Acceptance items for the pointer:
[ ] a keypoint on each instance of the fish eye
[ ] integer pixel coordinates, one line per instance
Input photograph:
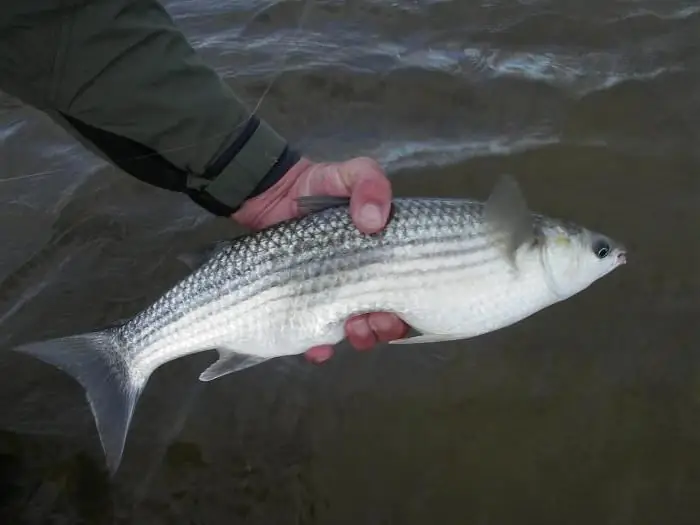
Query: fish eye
(601, 249)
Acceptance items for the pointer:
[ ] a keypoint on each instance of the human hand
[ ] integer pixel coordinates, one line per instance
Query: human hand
(364, 181)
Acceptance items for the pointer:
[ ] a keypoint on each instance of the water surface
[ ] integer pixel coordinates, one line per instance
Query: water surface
(586, 413)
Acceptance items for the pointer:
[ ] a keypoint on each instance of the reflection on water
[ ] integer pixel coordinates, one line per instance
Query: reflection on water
(585, 413)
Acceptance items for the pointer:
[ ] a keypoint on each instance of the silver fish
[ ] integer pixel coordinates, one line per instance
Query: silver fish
(450, 268)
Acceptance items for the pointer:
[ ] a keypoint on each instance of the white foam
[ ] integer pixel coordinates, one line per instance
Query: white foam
(413, 154)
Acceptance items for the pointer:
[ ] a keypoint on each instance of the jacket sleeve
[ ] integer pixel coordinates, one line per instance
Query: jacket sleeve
(121, 78)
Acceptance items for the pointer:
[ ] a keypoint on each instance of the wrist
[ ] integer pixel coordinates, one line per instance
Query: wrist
(252, 211)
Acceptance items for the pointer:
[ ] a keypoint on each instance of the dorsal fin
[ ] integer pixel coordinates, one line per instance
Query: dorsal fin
(314, 203)
(195, 258)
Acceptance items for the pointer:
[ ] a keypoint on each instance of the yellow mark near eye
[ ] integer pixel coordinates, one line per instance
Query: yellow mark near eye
(562, 240)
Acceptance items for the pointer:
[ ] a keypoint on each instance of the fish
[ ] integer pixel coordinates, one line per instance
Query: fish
(451, 268)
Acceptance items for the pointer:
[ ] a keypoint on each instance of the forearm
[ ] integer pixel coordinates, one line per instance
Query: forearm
(123, 79)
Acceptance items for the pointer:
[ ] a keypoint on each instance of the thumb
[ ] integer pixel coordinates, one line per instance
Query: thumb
(363, 180)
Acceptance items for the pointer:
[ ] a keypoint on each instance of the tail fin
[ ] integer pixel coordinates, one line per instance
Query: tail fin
(98, 363)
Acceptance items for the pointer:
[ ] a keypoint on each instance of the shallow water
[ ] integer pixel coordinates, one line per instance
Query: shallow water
(586, 413)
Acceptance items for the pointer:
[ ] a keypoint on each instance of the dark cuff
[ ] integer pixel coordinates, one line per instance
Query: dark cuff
(251, 164)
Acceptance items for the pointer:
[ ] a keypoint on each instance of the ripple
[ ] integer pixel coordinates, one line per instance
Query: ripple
(578, 74)
(518, 86)
(11, 128)
(417, 154)
(662, 13)
(565, 61)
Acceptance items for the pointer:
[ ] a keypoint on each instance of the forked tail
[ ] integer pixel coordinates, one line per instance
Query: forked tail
(97, 361)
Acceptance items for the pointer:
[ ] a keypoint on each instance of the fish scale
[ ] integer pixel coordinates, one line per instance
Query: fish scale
(450, 268)
(255, 255)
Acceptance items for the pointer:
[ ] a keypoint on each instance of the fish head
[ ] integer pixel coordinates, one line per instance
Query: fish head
(575, 257)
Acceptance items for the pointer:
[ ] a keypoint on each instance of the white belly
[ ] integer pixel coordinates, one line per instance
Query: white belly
(443, 296)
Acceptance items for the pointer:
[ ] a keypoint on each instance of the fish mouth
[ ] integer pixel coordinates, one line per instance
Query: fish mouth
(622, 258)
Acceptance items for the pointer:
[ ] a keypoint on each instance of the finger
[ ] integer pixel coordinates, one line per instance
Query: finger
(319, 354)
(364, 181)
(370, 204)
(359, 332)
(370, 193)
(386, 326)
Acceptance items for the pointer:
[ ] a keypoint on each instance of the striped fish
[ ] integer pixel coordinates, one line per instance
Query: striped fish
(450, 268)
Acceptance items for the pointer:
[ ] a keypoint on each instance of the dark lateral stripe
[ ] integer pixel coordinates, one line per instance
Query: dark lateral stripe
(397, 278)
(290, 268)
(278, 277)
(340, 260)
(322, 287)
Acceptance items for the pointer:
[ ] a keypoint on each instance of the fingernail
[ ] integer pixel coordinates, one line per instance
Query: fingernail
(319, 354)
(371, 216)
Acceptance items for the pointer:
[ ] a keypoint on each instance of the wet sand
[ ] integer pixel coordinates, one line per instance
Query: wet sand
(588, 412)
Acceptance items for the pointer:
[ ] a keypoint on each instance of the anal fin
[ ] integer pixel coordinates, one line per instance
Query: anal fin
(428, 338)
(229, 361)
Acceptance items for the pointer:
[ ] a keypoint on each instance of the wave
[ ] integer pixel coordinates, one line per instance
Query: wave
(395, 156)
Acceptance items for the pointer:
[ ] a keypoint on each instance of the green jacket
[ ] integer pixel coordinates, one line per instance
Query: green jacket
(121, 78)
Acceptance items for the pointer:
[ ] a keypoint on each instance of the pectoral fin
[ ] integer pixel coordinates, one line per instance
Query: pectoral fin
(508, 213)
(428, 338)
(229, 361)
